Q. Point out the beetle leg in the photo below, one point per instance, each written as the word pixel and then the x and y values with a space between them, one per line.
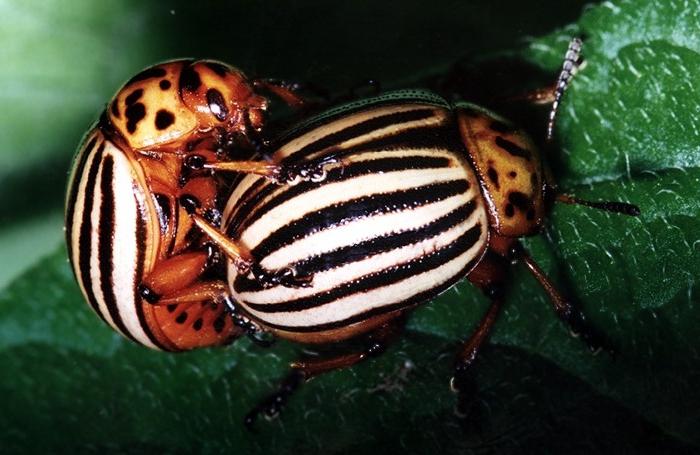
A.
pixel 240 256
pixel 287 91
pixel 199 292
pixel 566 311
pixel 172 275
pixel 303 370
pixel 250 328
pixel 289 174
pixel 489 276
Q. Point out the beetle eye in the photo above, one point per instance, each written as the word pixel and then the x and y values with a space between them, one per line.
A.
pixel 217 104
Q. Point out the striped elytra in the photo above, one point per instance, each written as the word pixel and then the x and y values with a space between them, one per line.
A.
pixel 130 242
pixel 115 239
pixel 398 219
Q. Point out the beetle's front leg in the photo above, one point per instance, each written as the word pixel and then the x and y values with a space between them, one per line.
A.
pixel 564 308
pixel 303 370
pixel 287 174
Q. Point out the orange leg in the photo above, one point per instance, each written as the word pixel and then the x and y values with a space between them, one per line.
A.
pixel 240 255
pixel 290 174
pixel 172 275
pixel 490 275
pixel 198 292
pixel 286 91
pixel 303 370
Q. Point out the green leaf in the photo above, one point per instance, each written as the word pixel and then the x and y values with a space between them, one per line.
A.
pixel 627 131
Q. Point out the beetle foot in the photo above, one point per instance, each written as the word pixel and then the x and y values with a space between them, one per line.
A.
pixel 580 328
pixel 464 386
pixel 271 406
pixel 308 171
pixel 288 277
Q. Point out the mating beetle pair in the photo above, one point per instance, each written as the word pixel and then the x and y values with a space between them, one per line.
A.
pixel 356 216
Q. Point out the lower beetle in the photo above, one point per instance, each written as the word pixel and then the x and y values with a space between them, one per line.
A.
pixel 416 194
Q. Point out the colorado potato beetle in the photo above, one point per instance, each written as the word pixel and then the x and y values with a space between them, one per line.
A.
pixel 418 193
pixel 129 239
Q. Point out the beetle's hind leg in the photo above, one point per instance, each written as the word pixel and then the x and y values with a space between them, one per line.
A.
pixel 490 275
pixel 302 370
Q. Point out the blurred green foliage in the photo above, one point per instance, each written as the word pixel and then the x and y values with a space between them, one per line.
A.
pixel 627 131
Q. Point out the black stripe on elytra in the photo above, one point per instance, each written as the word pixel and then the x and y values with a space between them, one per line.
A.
pixel 513 148
pixel 365 315
pixel 141 239
pixel 353 209
pixel 415 138
pixel 74 189
pixel 378 279
pixel 250 198
pixel 338 174
pixel 85 239
pixel 383 243
pixel 360 129
pixel 163 211
pixel 105 244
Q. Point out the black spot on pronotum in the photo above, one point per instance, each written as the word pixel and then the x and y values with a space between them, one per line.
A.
pixel 189 79
pixel 218 68
pixel 520 200
pixel 148 74
pixel 133 97
pixel 510 210
pixel 197 324
pixel 217 104
pixel 501 127
pixel 512 174
pixel 164 119
pixel 115 109
pixel 164 84
pixel 493 176
pixel 512 148
pixel 181 318
pixel 134 114
pixel 219 324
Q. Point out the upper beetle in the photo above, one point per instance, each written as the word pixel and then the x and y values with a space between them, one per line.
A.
pixel 417 193
pixel 130 241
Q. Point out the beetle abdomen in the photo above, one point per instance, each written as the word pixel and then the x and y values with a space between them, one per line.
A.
pixel 397 221
pixel 110 242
